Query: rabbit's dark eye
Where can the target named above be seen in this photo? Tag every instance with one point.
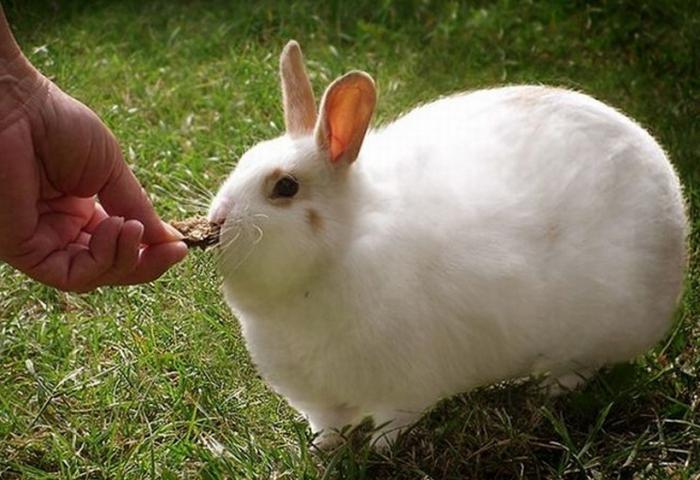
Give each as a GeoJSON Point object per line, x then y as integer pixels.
{"type": "Point", "coordinates": [286, 187]}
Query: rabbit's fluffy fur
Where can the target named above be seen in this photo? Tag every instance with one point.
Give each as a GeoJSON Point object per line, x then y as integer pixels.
{"type": "Point", "coordinates": [485, 236]}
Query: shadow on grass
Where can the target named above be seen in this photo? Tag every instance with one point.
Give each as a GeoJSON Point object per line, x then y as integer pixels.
{"type": "Point", "coordinates": [620, 424]}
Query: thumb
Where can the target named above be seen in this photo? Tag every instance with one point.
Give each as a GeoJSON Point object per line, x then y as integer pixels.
{"type": "Point", "coordinates": [123, 196]}
{"type": "Point", "coordinates": [85, 159]}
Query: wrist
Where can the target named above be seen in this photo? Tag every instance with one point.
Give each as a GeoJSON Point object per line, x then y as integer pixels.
{"type": "Point", "coordinates": [21, 85]}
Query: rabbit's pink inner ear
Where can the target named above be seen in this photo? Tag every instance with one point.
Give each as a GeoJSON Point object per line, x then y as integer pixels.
{"type": "Point", "coordinates": [297, 95]}
{"type": "Point", "coordinates": [346, 111]}
{"type": "Point", "coordinates": [337, 148]}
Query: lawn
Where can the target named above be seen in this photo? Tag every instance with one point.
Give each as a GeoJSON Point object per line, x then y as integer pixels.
{"type": "Point", "coordinates": [155, 381]}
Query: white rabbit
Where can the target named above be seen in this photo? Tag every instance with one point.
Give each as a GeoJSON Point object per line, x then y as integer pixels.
{"type": "Point", "coordinates": [485, 236]}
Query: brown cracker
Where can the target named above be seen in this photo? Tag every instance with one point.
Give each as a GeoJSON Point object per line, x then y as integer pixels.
{"type": "Point", "coordinates": [198, 232]}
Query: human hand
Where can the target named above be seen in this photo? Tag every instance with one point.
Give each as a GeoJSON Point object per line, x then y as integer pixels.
{"type": "Point", "coordinates": [56, 160]}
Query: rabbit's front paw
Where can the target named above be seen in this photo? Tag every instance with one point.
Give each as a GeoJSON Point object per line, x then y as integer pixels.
{"type": "Point", "coordinates": [328, 422]}
{"type": "Point", "coordinates": [327, 440]}
{"type": "Point", "coordinates": [562, 384]}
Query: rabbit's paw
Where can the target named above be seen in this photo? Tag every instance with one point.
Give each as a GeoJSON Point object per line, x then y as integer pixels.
{"type": "Point", "coordinates": [328, 422]}
{"type": "Point", "coordinates": [557, 385]}
{"type": "Point", "coordinates": [327, 440]}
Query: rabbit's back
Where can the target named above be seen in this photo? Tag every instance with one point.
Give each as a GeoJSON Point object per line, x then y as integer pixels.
{"type": "Point", "coordinates": [517, 229]}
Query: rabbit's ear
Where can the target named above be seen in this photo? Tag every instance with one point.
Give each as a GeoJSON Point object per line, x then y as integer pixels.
{"type": "Point", "coordinates": [297, 95]}
{"type": "Point", "coordinates": [346, 110]}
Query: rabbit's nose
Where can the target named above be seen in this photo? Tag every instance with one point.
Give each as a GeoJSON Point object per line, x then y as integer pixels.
{"type": "Point", "coordinates": [219, 211]}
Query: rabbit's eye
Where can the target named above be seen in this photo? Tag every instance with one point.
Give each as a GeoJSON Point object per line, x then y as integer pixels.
{"type": "Point", "coordinates": [286, 187]}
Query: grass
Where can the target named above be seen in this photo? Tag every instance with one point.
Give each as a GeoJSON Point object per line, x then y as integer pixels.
{"type": "Point", "coordinates": [154, 381]}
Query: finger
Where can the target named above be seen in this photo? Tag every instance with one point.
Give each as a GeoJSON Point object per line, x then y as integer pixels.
{"type": "Point", "coordinates": [127, 255]}
{"type": "Point", "coordinates": [74, 249]}
{"type": "Point", "coordinates": [90, 264]}
{"type": "Point", "coordinates": [98, 215]}
{"type": "Point", "coordinates": [83, 239]}
{"type": "Point", "coordinates": [122, 195]}
{"type": "Point", "coordinates": [154, 261]}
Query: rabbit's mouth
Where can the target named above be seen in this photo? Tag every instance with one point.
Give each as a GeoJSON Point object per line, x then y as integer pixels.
{"type": "Point", "coordinates": [237, 239]}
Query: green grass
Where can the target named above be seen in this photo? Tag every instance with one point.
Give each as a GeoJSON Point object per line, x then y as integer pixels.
{"type": "Point", "coordinates": [155, 381]}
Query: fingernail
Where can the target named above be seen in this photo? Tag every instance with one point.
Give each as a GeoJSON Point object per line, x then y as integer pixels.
{"type": "Point", "coordinates": [138, 224]}
{"type": "Point", "coordinates": [173, 231]}
{"type": "Point", "coordinates": [184, 250]}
